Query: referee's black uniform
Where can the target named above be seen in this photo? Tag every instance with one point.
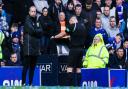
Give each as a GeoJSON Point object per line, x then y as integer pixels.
{"type": "Point", "coordinates": [78, 35]}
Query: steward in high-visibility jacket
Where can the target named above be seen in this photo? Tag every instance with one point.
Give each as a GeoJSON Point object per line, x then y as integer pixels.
{"type": "Point", "coordinates": [1, 41]}
{"type": "Point", "coordinates": [97, 55]}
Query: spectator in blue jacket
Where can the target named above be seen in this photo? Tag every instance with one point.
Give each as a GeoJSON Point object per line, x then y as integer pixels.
{"type": "Point", "coordinates": [3, 21]}
{"type": "Point", "coordinates": [98, 29]}
{"type": "Point", "coordinates": [15, 39]}
{"type": "Point", "coordinates": [116, 42]}
{"type": "Point", "coordinates": [121, 17]}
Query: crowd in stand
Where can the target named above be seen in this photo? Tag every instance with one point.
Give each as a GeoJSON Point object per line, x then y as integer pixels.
{"type": "Point", "coordinates": [107, 17]}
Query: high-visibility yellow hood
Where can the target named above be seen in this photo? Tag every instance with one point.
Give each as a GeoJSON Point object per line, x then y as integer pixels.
{"type": "Point", "coordinates": [101, 39]}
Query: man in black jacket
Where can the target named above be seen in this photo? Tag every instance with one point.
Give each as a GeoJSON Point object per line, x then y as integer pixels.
{"type": "Point", "coordinates": [31, 48]}
{"type": "Point", "coordinates": [125, 46]}
{"type": "Point", "coordinates": [55, 8]}
{"type": "Point", "coordinates": [117, 61]}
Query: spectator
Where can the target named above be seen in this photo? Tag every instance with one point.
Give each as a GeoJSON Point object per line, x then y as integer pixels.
{"type": "Point", "coordinates": [89, 9]}
{"type": "Point", "coordinates": [2, 12]}
{"type": "Point", "coordinates": [61, 28]}
{"type": "Point", "coordinates": [15, 31]}
{"type": "Point", "coordinates": [14, 27]}
{"type": "Point", "coordinates": [125, 46]}
{"type": "Point", "coordinates": [117, 61]}
{"type": "Point", "coordinates": [55, 9]}
{"type": "Point", "coordinates": [98, 13]}
{"type": "Point", "coordinates": [8, 7]}
{"type": "Point", "coordinates": [116, 42]}
{"type": "Point", "coordinates": [121, 17]}
{"type": "Point", "coordinates": [79, 13]}
{"type": "Point", "coordinates": [98, 29]}
{"type": "Point", "coordinates": [98, 2]}
{"type": "Point", "coordinates": [62, 25]}
{"type": "Point", "coordinates": [16, 39]}
{"type": "Point", "coordinates": [31, 44]}
{"type": "Point", "coordinates": [105, 18]}
{"type": "Point", "coordinates": [15, 36]}
{"type": "Point", "coordinates": [3, 63]}
{"type": "Point", "coordinates": [69, 10]}
{"type": "Point", "coordinates": [14, 61]}
{"type": "Point", "coordinates": [89, 5]}
{"type": "Point", "coordinates": [109, 3]}
{"type": "Point", "coordinates": [75, 2]}
{"type": "Point", "coordinates": [97, 55]}
{"type": "Point", "coordinates": [125, 4]}
{"type": "Point", "coordinates": [40, 4]}
{"type": "Point", "coordinates": [47, 28]}
{"type": "Point", "coordinates": [113, 30]}
{"type": "Point", "coordinates": [3, 21]}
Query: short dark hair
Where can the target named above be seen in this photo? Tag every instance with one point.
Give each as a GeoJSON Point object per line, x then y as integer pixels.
{"type": "Point", "coordinates": [112, 18]}
{"type": "Point", "coordinates": [98, 10]}
{"type": "Point", "coordinates": [78, 5]}
{"type": "Point", "coordinates": [97, 19]}
{"type": "Point", "coordinates": [126, 39]}
{"type": "Point", "coordinates": [119, 34]}
{"type": "Point", "coordinates": [119, 48]}
{"type": "Point", "coordinates": [44, 8]}
{"type": "Point", "coordinates": [70, 2]}
{"type": "Point", "coordinates": [14, 25]}
{"type": "Point", "coordinates": [107, 6]}
{"type": "Point", "coordinates": [89, 2]}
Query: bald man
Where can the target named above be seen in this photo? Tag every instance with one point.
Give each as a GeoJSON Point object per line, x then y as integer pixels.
{"type": "Point", "coordinates": [31, 48]}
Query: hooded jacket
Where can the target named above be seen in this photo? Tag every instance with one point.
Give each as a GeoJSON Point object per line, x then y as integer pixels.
{"type": "Point", "coordinates": [1, 41]}
{"type": "Point", "coordinates": [97, 55]}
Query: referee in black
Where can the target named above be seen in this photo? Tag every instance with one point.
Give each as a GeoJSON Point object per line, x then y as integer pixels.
{"type": "Point", "coordinates": [78, 36]}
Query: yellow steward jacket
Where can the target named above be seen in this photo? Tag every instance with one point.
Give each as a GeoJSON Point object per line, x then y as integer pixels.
{"type": "Point", "coordinates": [97, 55]}
{"type": "Point", "coordinates": [1, 41]}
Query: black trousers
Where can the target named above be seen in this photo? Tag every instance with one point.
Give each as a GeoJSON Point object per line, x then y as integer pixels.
{"type": "Point", "coordinates": [29, 65]}
{"type": "Point", "coordinates": [75, 57]}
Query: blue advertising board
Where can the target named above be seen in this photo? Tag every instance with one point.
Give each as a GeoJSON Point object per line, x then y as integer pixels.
{"type": "Point", "coordinates": [117, 78]}
{"type": "Point", "coordinates": [12, 76]}
{"type": "Point", "coordinates": [94, 77]}
{"type": "Point", "coordinates": [49, 69]}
